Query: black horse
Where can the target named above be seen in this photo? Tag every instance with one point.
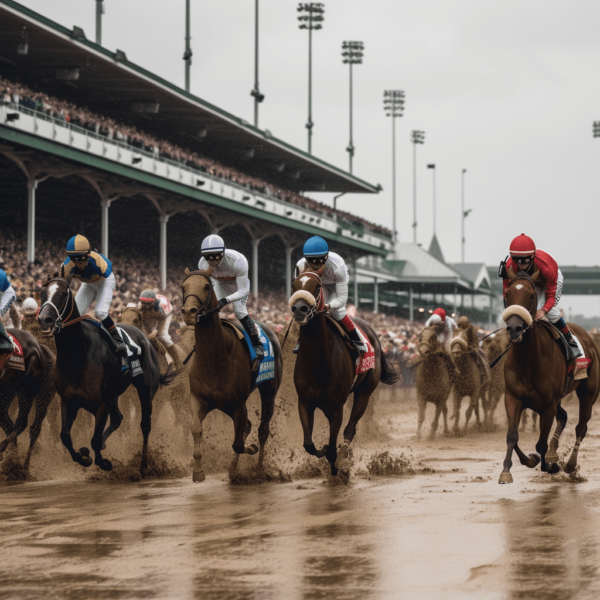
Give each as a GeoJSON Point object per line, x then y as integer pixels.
{"type": "Point", "coordinates": [88, 373]}
{"type": "Point", "coordinates": [34, 384]}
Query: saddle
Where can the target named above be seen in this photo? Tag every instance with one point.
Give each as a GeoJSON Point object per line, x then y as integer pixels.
{"type": "Point", "coordinates": [15, 359]}
{"type": "Point", "coordinates": [363, 363]}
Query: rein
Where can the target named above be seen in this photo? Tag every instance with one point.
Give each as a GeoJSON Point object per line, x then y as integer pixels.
{"type": "Point", "coordinates": [61, 322]}
{"type": "Point", "coordinates": [203, 310]}
{"type": "Point", "coordinates": [497, 359]}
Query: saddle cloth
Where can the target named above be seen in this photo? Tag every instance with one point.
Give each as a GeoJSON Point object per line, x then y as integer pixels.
{"type": "Point", "coordinates": [364, 363]}
{"type": "Point", "coordinates": [266, 367]}
{"type": "Point", "coordinates": [15, 359]}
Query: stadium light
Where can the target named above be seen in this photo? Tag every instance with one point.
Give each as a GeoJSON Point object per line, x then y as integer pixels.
{"type": "Point", "coordinates": [596, 129]}
{"type": "Point", "coordinates": [434, 207]}
{"type": "Point", "coordinates": [255, 93]}
{"type": "Point", "coordinates": [393, 104]}
{"type": "Point", "coordinates": [187, 55]}
{"type": "Point", "coordinates": [99, 13]}
{"type": "Point", "coordinates": [352, 54]}
{"type": "Point", "coordinates": [417, 137]}
{"type": "Point", "coordinates": [464, 213]}
{"type": "Point", "coordinates": [310, 17]}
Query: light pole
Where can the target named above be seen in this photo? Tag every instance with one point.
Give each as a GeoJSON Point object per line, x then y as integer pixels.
{"type": "Point", "coordinates": [434, 207]}
{"type": "Point", "coordinates": [393, 104]}
{"type": "Point", "coordinates": [596, 129]}
{"type": "Point", "coordinates": [417, 137]}
{"type": "Point", "coordinates": [99, 13]}
{"type": "Point", "coordinates": [464, 213]}
{"type": "Point", "coordinates": [311, 17]}
{"type": "Point", "coordinates": [258, 97]}
{"type": "Point", "coordinates": [187, 55]}
{"type": "Point", "coordinates": [352, 53]}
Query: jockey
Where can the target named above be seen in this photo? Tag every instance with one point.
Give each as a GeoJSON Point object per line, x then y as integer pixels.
{"type": "Point", "coordinates": [231, 283]}
{"type": "Point", "coordinates": [524, 256]}
{"type": "Point", "coordinates": [331, 268]}
{"type": "Point", "coordinates": [98, 283]}
{"type": "Point", "coordinates": [444, 326]}
{"type": "Point", "coordinates": [7, 297]}
{"type": "Point", "coordinates": [159, 310]}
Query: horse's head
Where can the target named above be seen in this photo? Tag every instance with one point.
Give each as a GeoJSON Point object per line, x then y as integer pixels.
{"type": "Point", "coordinates": [57, 304]}
{"type": "Point", "coordinates": [307, 297]}
{"type": "Point", "coordinates": [521, 303]}
{"type": "Point", "coordinates": [132, 315]}
{"type": "Point", "coordinates": [198, 295]}
{"type": "Point", "coordinates": [428, 342]}
{"type": "Point", "coordinates": [460, 341]}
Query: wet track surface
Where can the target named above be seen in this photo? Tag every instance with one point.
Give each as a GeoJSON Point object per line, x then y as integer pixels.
{"type": "Point", "coordinates": [447, 530]}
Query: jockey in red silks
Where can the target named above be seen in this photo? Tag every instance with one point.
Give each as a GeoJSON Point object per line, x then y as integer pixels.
{"type": "Point", "coordinates": [444, 326]}
{"type": "Point", "coordinates": [524, 256]}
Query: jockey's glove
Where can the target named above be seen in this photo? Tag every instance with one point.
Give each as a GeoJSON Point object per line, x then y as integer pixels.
{"type": "Point", "coordinates": [222, 302]}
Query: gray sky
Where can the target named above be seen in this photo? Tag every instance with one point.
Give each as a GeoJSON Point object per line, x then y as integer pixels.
{"type": "Point", "coordinates": [507, 90]}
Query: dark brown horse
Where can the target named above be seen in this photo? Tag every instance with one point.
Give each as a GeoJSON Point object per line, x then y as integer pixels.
{"type": "Point", "coordinates": [221, 373]}
{"type": "Point", "coordinates": [535, 374]}
{"type": "Point", "coordinates": [33, 385]}
{"type": "Point", "coordinates": [325, 372]}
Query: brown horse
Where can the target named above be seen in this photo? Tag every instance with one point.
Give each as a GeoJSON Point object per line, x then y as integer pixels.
{"type": "Point", "coordinates": [433, 379]}
{"type": "Point", "coordinates": [34, 384]}
{"type": "Point", "coordinates": [535, 374]}
{"type": "Point", "coordinates": [221, 373]}
{"type": "Point", "coordinates": [468, 383]}
{"type": "Point", "coordinates": [493, 346]}
{"type": "Point", "coordinates": [325, 372]}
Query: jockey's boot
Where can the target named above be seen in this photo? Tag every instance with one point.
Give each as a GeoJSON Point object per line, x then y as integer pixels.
{"type": "Point", "coordinates": [120, 347]}
{"type": "Point", "coordinates": [352, 331]}
{"type": "Point", "coordinates": [6, 345]}
{"type": "Point", "coordinates": [297, 348]}
{"type": "Point", "coordinates": [252, 332]}
{"type": "Point", "coordinates": [562, 326]}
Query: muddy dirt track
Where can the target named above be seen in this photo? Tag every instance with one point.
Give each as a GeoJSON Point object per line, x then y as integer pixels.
{"type": "Point", "coordinates": [417, 519]}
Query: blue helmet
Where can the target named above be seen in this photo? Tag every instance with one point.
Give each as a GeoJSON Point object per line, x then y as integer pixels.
{"type": "Point", "coordinates": [315, 246]}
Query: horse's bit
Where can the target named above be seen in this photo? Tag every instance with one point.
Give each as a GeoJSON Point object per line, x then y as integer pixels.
{"type": "Point", "coordinates": [202, 310]}
{"type": "Point", "coordinates": [59, 321]}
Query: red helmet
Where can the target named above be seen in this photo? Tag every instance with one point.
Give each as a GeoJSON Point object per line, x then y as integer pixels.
{"type": "Point", "coordinates": [441, 312]}
{"type": "Point", "coordinates": [521, 246]}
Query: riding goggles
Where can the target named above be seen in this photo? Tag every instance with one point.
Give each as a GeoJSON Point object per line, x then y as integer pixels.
{"type": "Point", "coordinates": [79, 258]}
{"type": "Point", "coordinates": [214, 257]}
{"type": "Point", "coordinates": [316, 261]}
{"type": "Point", "coordinates": [522, 260]}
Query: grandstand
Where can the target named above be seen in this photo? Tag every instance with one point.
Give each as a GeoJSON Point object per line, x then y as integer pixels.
{"type": "Point", "coordinates": [99, 145]}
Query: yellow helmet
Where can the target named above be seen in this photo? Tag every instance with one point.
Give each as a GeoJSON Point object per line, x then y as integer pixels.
{"type": "Point", "coordinates": [78, 244]}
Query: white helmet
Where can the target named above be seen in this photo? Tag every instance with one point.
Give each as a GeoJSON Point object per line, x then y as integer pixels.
{"type": "Point", "coordinates": [30, 306]}
{"type": "Point", "coordinates": [213, 244]}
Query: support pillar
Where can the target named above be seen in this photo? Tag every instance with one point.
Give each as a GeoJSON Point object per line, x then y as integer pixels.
{"type": "Point", "coordinates": [375, 295]}
{"type": "Point", "coordinates": [288, 269]}
{"type": "Point", "coordinates": [491, 320]}
{"type": "Point", "coordinates": [355, 283]}
{"type": "Point", "coordinates": [31, 187]}
{"type": "Point", "coordinates": [255, 243]}
{"type": "Point", "coordinates": [455, 302]}
{"type": "Point", "coordinates": [104, 204]}
{"type": "Point", "coordinates": [164, 219]}
{"type": "Point", "coordinates": [411, 304]}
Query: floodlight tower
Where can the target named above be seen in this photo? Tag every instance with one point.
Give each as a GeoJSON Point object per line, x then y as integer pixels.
{"type": "Point", "coordinates": [310, 17]}
{"type": "Point", "coordinates": [255, 93]}
{"type": "Point", "coordinates": [352, 53]}
{"type": "Point", "coordinates": [393, 104]}
{"type": "Point", "coordinates": [187, 55]}
{"type": "Point", "coordinates": [596, 129]}
{"type": "Point", "coordinates": [417, 137]}
{"type": "Point", "coordinates": [99, 13]}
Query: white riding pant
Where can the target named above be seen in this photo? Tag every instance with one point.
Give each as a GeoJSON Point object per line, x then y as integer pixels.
{"type": "Point", "coordinates": [554, 313]}
{"type": "Point", "coordinates": [227, 288]}
{"type": "Point", "coordinates": [329, 294]}
{"type": "Point", "coordinates": [100, 291]}
{"type": "Point", "coordinates": [162, 330]}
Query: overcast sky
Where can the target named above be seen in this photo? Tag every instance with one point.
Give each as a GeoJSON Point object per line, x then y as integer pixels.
{"type": "Point", "coordinates": [507, 90]}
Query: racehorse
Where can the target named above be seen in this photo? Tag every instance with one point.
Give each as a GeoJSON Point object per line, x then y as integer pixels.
{"type": "Point", "coordinates": [433, 380]}
{"type": "Point", "coordinates": [535, 374]}
{"type": "Point", "coordinates": [88, 373]}
{"type": "Point", "coordinates": [34, 384]}
{"type": "Point", "coordinates": [221, 373]}
{"type": "Point", "coordinates": [325, 371]}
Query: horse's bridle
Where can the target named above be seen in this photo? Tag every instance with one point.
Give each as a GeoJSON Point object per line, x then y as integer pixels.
{"type": "Point", "coordinates": [525, 276]}
{"type": "Point", "coordinates": [60, 322]}
{"type": "Point", "coordinates": [313, 310]}
{"type": "Point", "coordinates": [202, 310]}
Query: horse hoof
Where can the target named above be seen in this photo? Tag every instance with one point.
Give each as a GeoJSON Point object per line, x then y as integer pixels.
{"type": "Point", "coordinates": [570, 468]}
{"type": "Point", "coordinates": [534, 461]}
{"type": "Point", "coordinates": [551, 457]}
{"type": "Point", "coordinates": [85, 461]}
{"type": "Point", "coordinates": [334, 471]}
{"type": "Point", "coordinates": [553, 468]}
{"type": "Point", "coordinates": [105, 464]}
{"type": "Point", "coordinates": [198, 476]}
{"type": "Point", "coordinates": [84, 451]}
{"type": "Point", "coordinates": [252, 449]}
{"type": "Point", "coordinates": [505, 478]}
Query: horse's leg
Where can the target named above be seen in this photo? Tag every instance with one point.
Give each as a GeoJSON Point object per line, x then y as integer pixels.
{"type": "Point", "coordinates": [268, 391]}
{"type": "Point", "coordinates": [146, 395]}
{"type": "Point", "coordinates": [360, 403]}
{"type": "Point", "coordinates": [42, 401]}
{"type": "Point", "coordinates": [436, 420]}
{"type": "Point", "coordinates": [307, 419]}
{"type": "Point", "coordinates": [468, 413]}
{"type": "Point", "coordinates": [69, 412]}
{"type": "Point", "coordinates": [585, 414]}
{"type": "Point", "coordinates": [534, 421]}
{"type": "Point", "coordinates": [199, 412]}
{"type": "Point", "coordinates": [475, 403]}
{"type": "Point", "coordinates": [100, 424]}
{"type": "Point", "coordinates": [116, 418]}
{"type": "Point", "coordinates": [241, 426]}
{"type": "Point", "coordinates": [422, 403]}
{"type": "Point", "coordinates": [561, 422]}
{"type": "Point", "coordinates": [444, 404]}
{"type": "Point", "coordinates": [25, 403]}
{"type": "Point", "coordinates": [335, 424]}
{"type": "Point", "coordinates": [514, 408]}
{"type": "Point", "coordinates": [456, 415]}
{"type": "Point", "coordinates": [546, 421]}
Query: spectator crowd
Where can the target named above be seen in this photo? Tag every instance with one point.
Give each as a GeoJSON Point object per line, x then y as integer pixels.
{"type": "Point", "coordinates": [71, 114]}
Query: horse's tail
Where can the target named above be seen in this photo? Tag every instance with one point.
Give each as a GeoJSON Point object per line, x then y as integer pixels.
{"type": "Point", "coordinates": [168, 377]}
{"type": "Point", "coordinates": [389, 375]}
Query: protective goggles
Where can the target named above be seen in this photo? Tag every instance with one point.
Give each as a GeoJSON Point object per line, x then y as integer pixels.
{"type": "Point", "coordinates": [214, 257]}
{"type": "Point", "coordinates": [316, 261]}
{"type": "Point", "coordinates": [79, 258]}
{"type": "Point", "coordinates": [522, 260]}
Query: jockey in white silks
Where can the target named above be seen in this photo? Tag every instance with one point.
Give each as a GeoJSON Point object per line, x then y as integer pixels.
{"type": "Point", "coordinates": [444, 326]}
{"type": "Point", "coordinates": [231, 283]}
{"type": "Point", "coordinates": [7, 297]}
{"type": "Point", "coordinates": [331, 268]}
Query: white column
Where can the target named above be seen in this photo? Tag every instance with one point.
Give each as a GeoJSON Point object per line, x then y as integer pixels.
{"type": "Point", "coordinates": [355, 284]}
{"type": "Point", "coordinates": [31, 187]}
{"type": "Point", "coordinates": [411, 304]}
{"type": "Point", "coordinates": [288, 269]}
{"type": "Point", "coordinates": [255, 243]}
{"type": "Point", "coordinates": [375, 295]}
{"type": "Point", "coordinates": [164, 219]}
{"type": "Point", "coordinates": [104, 204]}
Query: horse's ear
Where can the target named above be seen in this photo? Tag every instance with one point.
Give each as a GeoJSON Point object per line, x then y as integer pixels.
{"type": "Point", "coordinates": [187, 272]}
{"type": "Point", "coordinates": [511, 274]}
{"type": "Point", "coordinates": [209, 270]}
{"type": "Point", "coordinates": [535, 276]}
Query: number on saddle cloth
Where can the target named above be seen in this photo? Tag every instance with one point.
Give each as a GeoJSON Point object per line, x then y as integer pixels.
{"type": "Point", "coordinates": [266, 368]}
{"type": "Point", "coordinates": [15, 359]}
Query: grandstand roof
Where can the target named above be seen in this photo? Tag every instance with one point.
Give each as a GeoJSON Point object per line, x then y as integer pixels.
{"type": "Point", "coordinates": [109, 82]}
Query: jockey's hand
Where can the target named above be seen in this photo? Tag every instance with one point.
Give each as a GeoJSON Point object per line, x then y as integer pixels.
{"type": "Point", "coordinates": [327, 307]}
{"type": "Point", "coordinates": [222, 302]}
{"type": "Point", "coordinates": [540, 314]}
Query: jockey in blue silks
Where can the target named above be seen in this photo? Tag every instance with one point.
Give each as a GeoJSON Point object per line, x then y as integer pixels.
{"type": "Point", "coordinates": [7, 297]}
{"type": "Point", "coordinates": [331, 268]}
